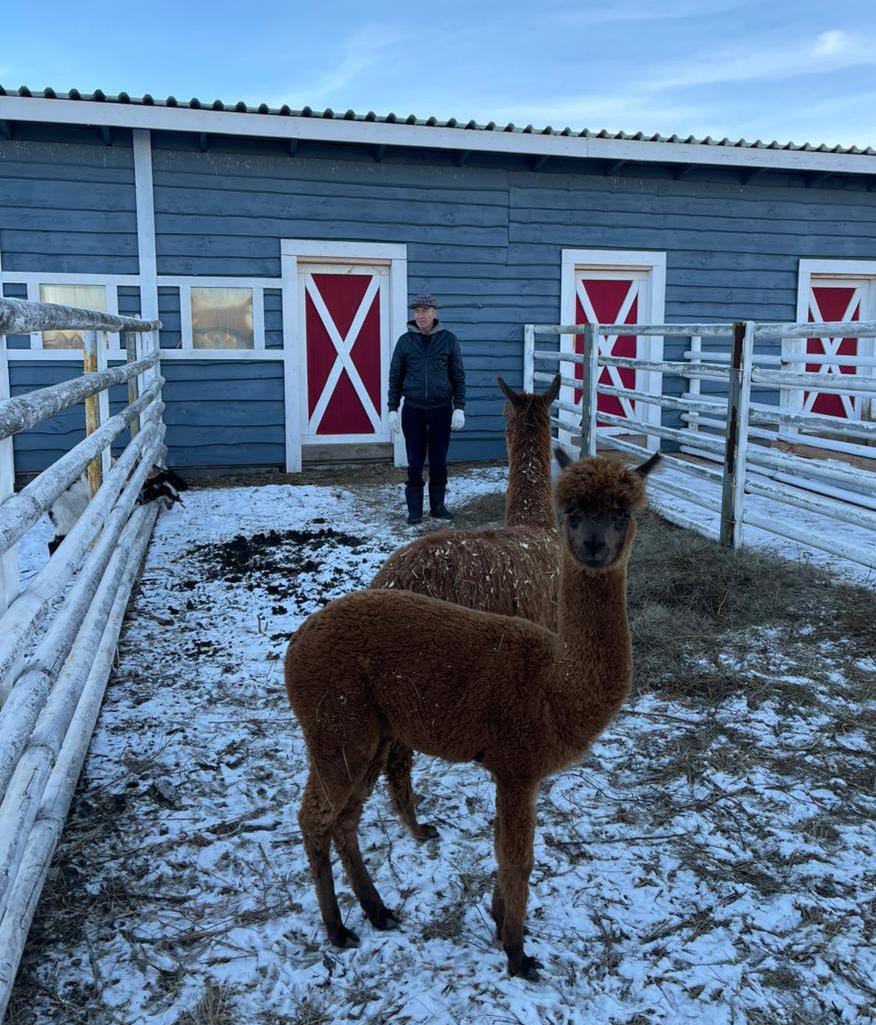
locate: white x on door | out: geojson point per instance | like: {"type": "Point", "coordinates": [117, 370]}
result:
{"type": "Point", "coordinates": [839, 299]}
{"type": "Point", "coordinates": [345, 328]}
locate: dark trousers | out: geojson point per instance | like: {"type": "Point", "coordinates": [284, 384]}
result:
{"type": "Point", "coordinates": [427, 431]}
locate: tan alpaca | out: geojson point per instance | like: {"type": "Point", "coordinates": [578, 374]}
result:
{"type": "Point", "coordinates": [471, 686]}
{"type": "Point", "coordinates": [513, 571]}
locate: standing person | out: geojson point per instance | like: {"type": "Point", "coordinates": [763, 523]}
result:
{"type": "Point", "coordinates": [426, 371]}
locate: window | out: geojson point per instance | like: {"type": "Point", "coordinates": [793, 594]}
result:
{"type": "Point", "coordinates": [91, 297]}
{"type": "Point", "coordinates": [222, 318]}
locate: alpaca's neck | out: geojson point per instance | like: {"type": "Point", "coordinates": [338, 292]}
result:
{"type": "Point", "coordinates": [596, 662]}
{"type": "Point", "coordinates": [528, 503]}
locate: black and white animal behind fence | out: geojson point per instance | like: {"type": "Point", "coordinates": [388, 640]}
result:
{"type": "Point", "coordinates": [58, 633]}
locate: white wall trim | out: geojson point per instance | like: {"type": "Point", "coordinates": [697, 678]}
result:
{"type": "Point", "coordinates": [145, 204]}
{"type": "Point", "coordinates": [118, 356]}
{"type": "Point", "coordinates": [327, 251]}
{"type": "Point", "coordinates": [217, 281]}
{"type": "Point", "coordinates": [277, 126]}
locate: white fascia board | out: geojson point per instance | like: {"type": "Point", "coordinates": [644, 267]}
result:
{"type": "Point", "coordinates": [318, 129]}
{"type": "Point", "coordinates": [327, 249]}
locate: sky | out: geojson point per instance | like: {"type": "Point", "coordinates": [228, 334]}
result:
{"type": "Point", "coordinates": [755, 69]}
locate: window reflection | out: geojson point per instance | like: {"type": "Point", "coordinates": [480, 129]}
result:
{"type": "Point", "coordinates": [89, 297]}
{"type": "Point", "coordinates": [222, 318]}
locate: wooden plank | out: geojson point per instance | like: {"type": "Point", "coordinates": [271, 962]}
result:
{"type": "Point", "coordinates": [9, 578]}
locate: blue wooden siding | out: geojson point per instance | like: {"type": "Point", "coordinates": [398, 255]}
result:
{"type": "Point", "coordinates": [68, 207]}
{"type": "Point", "coordinates": [485, 237]}
{"type": "Point", "coordinates": [39, 446]}
{"type": "Point", "coordinates": [224, 414]}
{"type": "Point", "coordinates": [170, 335]}
{"type": "Point", "coordinates": [245, 398]}
{"type": "Point", "coordinates": [13, 291]}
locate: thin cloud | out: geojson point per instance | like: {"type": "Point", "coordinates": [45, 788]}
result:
{"type": "Point", "coordinates": [831, 51]}
{"type": "Point", "coordinates": [832, 42]}
{"type": "Point", "coordinates": [370, 46]}
{"type": "Point", "coordinates": [645, 11]}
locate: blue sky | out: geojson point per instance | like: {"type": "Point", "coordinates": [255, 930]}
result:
{"type": "Point", "coordinates": [785, 70]}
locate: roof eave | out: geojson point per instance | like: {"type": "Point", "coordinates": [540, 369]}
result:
{"type": "Point", "coordinates": [379, 133]}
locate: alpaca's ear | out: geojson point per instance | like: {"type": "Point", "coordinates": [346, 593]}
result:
{"type": "Point", "coordinates": [648, 465]}
{"type": "Point", "coordinates": [510, 395]}
{"type": "Point", "coordinates": [553, 390]}
{"type": "Point", "coordinates": [562, 457]}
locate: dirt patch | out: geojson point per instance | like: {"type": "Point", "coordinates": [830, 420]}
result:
{"type": "Point", "coordinates": [285, 564]}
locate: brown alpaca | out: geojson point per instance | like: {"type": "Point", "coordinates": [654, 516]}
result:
{"type": "Point", "coordinates": [513, 571]}
{"type": "Point", "coordinates": [472, 686]}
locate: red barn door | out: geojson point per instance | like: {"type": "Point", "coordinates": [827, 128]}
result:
{"type": "Point", "coordinates": [345, 312]}
{"type": "Point", "coordinates": [834, 301]}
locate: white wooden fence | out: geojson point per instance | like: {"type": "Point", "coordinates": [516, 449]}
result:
{"type": "Point", "coordinates": [58, 632]}
{"type": "Point", "coordinates": [749, 439]}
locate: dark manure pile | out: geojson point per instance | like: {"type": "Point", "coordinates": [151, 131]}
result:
{"type": "Point", "coordinates": [273, 561]}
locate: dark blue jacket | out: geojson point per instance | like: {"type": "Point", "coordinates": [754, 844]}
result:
{"type": "Point", "coordinates": [427, 370]}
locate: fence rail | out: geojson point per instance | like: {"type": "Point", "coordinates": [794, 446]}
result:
{"type": "Point", "coordinates": [58, 632]}
{"type": "Point", "coordinates": [746, 441]}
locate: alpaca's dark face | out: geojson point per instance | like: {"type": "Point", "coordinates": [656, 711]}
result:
{"type": "Point", "coordinates": [597, 537]}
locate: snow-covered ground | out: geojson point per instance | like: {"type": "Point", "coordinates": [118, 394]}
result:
{"type": "Point", "coordinates": [708, 861]}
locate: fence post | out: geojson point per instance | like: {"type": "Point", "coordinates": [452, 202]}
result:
{"type": "Point", "coordinates": [92, 409]}
{"type": "Point", "coordinates": [694, 384]}
{"type": "Point", "coordinates": [133, 382]}
{"type": "Point", "coordinates": [9, 579]}
{"type": "Point", "coordinates": [588, 389]}
{"type": "Point", "coordinates": [103, 400]}
{"type": "Point", "coordinates": [736, 434]}
{"type": "Point", "coordinates": [529, 357]}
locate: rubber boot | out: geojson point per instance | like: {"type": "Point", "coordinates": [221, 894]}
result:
{"type": "Point", "coordinates": [414, 498]}
{"type": "Point", "coordinates": [437, 508]}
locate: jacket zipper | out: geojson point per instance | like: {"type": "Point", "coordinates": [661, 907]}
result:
{"type": "Point", "coordinates": [427, 371]}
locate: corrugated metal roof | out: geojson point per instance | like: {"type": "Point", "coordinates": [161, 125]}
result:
{"type": "Point", "coordinates": [431, 122]}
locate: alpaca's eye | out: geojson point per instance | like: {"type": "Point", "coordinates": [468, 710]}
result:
{"type": "Point", "coordinates": [621, 519]}
{"type": "Point", "coordinates": [573, 518]}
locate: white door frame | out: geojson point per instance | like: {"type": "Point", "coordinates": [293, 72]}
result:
{"type": "Point", "coordinates": [309, 251]}
{"type": "Point", "coordinates": [651, 311]}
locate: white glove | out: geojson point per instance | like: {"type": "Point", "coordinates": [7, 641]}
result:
{"type": "Point", "coordinates": [393, 421]}
{"type": "Point", "coordinates": [457, 421]}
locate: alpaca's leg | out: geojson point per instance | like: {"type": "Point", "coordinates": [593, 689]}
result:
{"type": "Point", "coordinates": [515, 829]}
{"type": "Point", "coordinates": [316, 818]}
{"type": "Point", "coordinates": [497, 908]}
{"type": "Point", "coordinates": [346, 837]}
{"type": "Point", "coordinates": [399, 760]}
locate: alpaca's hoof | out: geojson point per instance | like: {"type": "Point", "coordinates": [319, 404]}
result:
{"type": "Point", "coordinates": [383, 919]}
{"type": "Point", "coordinates": [425, 831]}
{"type": "Point", "coordinates": [344, 937]}
{"type": "Point", "coordinates": [526, 968]}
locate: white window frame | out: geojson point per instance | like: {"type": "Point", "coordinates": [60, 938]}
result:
{"type": "Point", "coordinates": [830, 270]}
{"type": "Point", "coordinates": [619, 261]}
{"type": "Point", "coordinates": [303, 251]}
{"type": "Point", "coordinates": [32, 281]}
{"type": "Point", "coordinates": [187, 351]}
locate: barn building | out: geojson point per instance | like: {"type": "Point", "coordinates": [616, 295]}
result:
{"type": "Point", "coordinates": [279, 249]}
